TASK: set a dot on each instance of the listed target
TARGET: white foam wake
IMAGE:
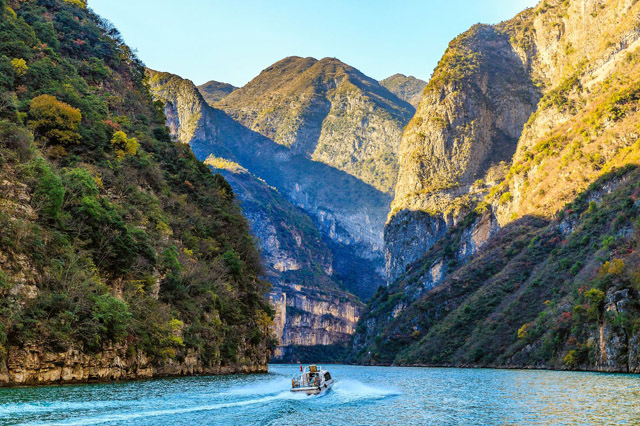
(47, 407)
(261, 388)
(355, 390)
(169, 412)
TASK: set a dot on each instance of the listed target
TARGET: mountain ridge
(213, 91)
(326, 111)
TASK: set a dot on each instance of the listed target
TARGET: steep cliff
(409, 89)
(467, 123)
(353, 230)
(511, 111)
(121, 255)
(312, 308)
(326, 111)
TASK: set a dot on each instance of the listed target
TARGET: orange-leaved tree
(54, 122)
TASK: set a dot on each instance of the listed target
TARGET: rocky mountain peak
(407, 88)
(214, 91)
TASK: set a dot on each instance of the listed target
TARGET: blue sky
(232, 41)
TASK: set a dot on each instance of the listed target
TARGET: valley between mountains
(487, 217)
(481, 258)
(313, 162)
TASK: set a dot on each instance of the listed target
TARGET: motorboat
(313, 380)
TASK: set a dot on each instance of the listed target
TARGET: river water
(361, 396)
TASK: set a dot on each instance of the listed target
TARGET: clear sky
(233, 40)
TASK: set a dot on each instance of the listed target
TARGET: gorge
(510, 109)
(489, 217)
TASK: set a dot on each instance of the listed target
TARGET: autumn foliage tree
(54, 122)
(123, 145)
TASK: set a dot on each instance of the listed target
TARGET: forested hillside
(121, 255)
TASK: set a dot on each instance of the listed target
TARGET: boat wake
(126, 417)
(353, 390)
(262, 388)
(261, 393)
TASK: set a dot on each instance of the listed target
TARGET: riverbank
(32, 366)
(599, 369)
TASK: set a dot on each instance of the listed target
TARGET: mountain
(122, 256)
(409, 89)
(213, 91)
(355, 230)
(311, 235)
(326, 111)
(301, 145)
(511, 239)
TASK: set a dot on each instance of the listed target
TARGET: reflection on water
(361, 396)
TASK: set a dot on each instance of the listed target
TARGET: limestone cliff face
(32, 365)
(311, 306)
(355, 230)
(468, 121)
(312, 318)
(326, 111)
(408, 89)
(584, 125)
(512, 100)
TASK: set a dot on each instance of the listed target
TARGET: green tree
(112, 314)
(49, 191)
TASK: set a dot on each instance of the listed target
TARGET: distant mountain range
(326, 111)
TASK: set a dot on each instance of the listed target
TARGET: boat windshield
(327, 376)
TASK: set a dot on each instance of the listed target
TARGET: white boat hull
(313, 390)
(313, 381)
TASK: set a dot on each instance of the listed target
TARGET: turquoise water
(361, 396)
